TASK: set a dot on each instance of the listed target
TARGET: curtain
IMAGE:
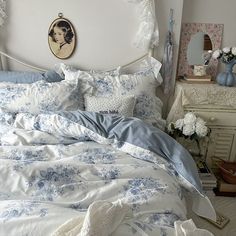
(148, 33)
(2, 11)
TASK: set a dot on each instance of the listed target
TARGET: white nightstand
(217, 106)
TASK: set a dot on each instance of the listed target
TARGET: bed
(84, 152)
(94, 160)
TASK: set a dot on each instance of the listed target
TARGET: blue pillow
(52, 76)
(28, 77)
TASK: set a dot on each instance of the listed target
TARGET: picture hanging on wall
(61, 37)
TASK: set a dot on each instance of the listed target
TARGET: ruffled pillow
(40, 96)
(141, 84)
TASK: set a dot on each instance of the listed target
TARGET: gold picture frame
(61, 38)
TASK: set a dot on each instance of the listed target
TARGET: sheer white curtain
(148, 33)
(2, 11)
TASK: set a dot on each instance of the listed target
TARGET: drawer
(216, 118)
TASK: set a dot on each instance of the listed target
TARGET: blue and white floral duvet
(53, 166)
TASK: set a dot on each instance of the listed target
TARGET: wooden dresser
(217, 106)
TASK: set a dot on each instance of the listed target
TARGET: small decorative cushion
(110, 105)
(40, 96)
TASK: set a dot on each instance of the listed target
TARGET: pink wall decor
(214, 31)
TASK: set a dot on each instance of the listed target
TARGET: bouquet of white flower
(190, 127)
(226, 55)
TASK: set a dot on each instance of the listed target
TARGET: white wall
(213, 11)
(105, 30)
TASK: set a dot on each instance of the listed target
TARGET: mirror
(198, 48)
(196, 40)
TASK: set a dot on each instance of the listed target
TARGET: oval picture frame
(61, 38)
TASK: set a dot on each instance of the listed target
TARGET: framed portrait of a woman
(61, 38)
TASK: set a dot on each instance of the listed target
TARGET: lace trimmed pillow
(90, 81)
(141, 84)
(40, 96)
(110, 105)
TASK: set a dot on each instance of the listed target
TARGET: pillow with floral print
(40, 96)
(141, 84)
(98, 83)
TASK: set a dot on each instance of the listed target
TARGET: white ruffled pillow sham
(110, 105)
(40, 96)
(141, 84)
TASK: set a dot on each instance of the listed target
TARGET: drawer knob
(212, 119)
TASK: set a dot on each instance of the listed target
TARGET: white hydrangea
(233, 50)
(216, 54)
(179, 124)
(189, 129)
(200, 121)
(189, 125)
(201, 130)
(190, 118)
(226, 49)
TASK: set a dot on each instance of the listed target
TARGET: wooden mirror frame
(215, 32)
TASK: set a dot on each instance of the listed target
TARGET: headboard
(105, 32)
(24, 34)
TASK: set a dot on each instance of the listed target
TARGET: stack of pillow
(128, 94)
(113, 92)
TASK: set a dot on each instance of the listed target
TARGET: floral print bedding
(40, 96)
(54, 165)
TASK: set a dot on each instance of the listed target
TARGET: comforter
(55, 165)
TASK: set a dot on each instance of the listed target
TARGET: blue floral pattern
(166, 218)
(25, 97)
(49, 184)
(96, 156)
(108, 174)
(103, 87)
(139, 190)
(21, 209)
(10, 94)
(26, 157)
(54, 182)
